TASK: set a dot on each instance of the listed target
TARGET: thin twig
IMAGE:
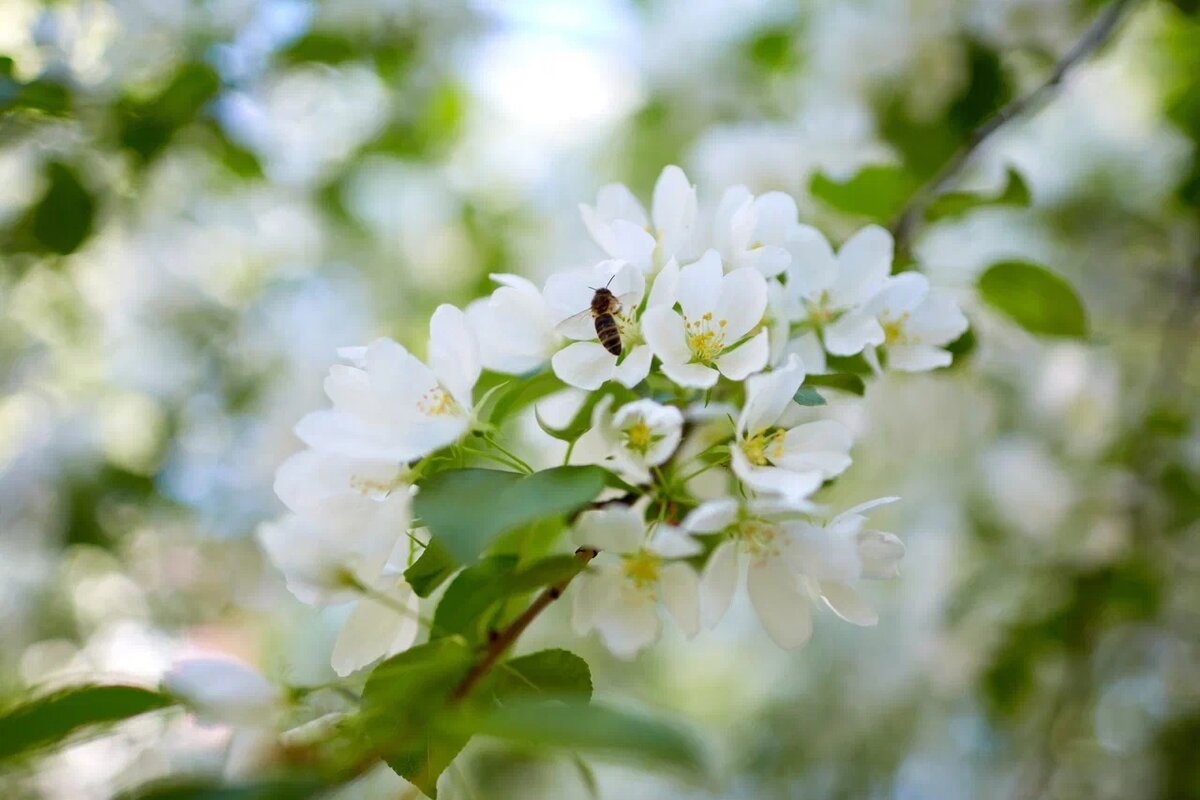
(506, 637)
(1099, 32)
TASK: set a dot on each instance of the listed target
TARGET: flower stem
(517, 460)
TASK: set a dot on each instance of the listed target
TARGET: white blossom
(618, 595)
(829, 291)
(752, 231)
(791, 462)
(719, 331)
(619, 224)
(513, 327)
(638, 435)
(392, 406)
(222, 691)
(917, 323)
(381, 624)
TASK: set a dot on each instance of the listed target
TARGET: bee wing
(579, 323)
(627, 301)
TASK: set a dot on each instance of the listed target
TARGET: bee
(604, 306)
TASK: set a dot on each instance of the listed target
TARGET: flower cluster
(696, 377)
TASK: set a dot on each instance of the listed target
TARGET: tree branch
(505, 638)
(1099, 32)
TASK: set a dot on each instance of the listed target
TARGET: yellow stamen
(704, 340)
(642, 568)
(764, 446)
(893, 329)
(639, 436)
(758, 537)
(436, 402)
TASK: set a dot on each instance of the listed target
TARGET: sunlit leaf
(467, 509)
(54, 717)
(876, 192)
(552, 673)
(472, 592)
(429, 571)
(1035, 298)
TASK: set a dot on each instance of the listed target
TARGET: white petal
(880, 554)
(632, 243)
(223, 691)
(899, 296)
(691, 376)
(851, 332)
(634, 368)
(593, 592)
(768, 395)
(732, 201)
(718, 582)
(864, 263)
(796, 486)
(863, 508)
(777, 217)
(713, 516)
(742, 302)
(679, 587)
(663, 330)
(375, 630)
(584, 365)
(936, 321)
(615, 201)
(767, 260)
(666, 286)
(917, 357)
(848, 603)
(611, 530)
(823, 445)
(813, 267)
(823, 554)
(747, 359)
(453, 354)
(672, 542)
(630, 623)
(700, 285)
(674, 208)
(782, 608)
(811, 353)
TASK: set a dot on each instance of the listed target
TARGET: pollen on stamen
(436, 402)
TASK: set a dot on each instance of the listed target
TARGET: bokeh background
(201, 199)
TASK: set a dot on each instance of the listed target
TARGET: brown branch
(504, 639)
(1099, 32)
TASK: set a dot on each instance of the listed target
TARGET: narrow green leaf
(1035, 298)
(429, 571)
(54, 717)
(841, 381)
(955, 204)
(876, 192)
(467, 509)
(808, 396)
(621, 735)
(556, 673)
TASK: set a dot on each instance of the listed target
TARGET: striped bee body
(604, 305)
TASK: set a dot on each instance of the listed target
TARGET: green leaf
(544, 572)
(430, 570)
(404, 708)
(467, 509)
(876, 192)
(53, 717)
(808, 396)
(473, 592)
(323, 48)
(841, 381)
(555, 673)
(1035, 298)
(955, 204)
(621, 735)
(521, 392)
(146, 127)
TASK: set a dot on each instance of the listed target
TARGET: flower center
(639, 436)
(376, 488)
(759, 537)
(764, 446)
(893, 329)
(630, 330)
(436, 402)
(704, 340)
(642, 568)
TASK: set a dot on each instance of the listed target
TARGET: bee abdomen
(608, 333)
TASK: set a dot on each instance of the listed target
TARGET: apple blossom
(513, 327)
(638, 435)
(619, 594)
(223, 691)
(618, 222)
(917, 323)
(754, 231)
(718, 333)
